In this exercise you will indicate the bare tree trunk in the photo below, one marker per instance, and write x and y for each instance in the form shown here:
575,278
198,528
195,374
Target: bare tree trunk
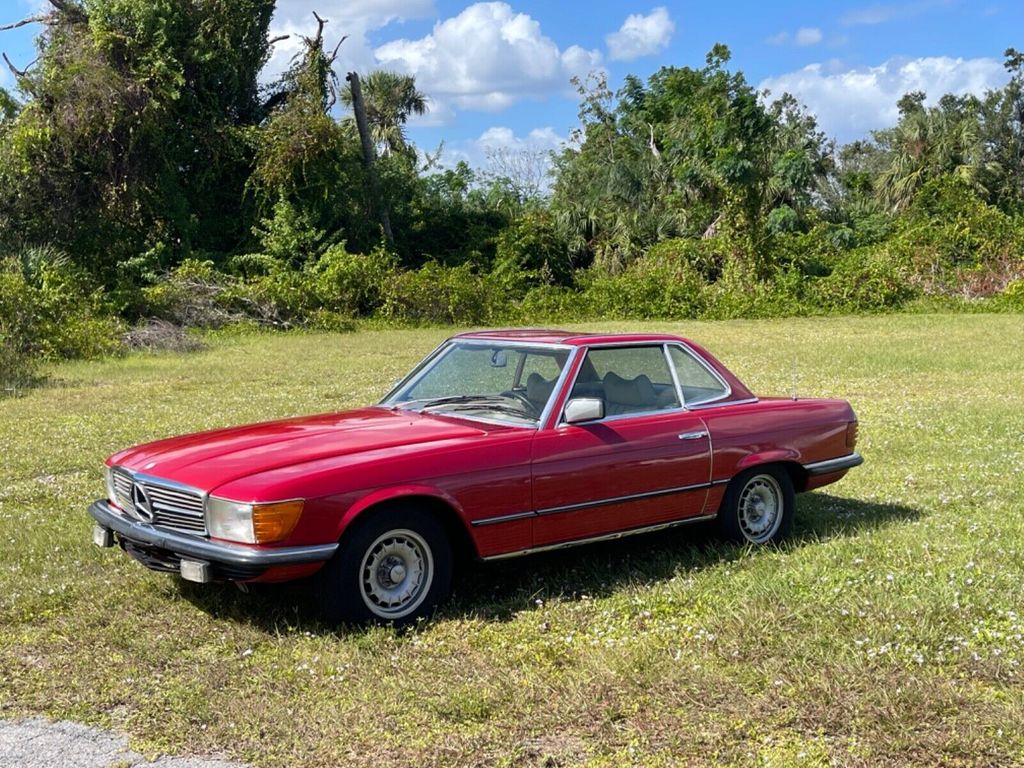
364,137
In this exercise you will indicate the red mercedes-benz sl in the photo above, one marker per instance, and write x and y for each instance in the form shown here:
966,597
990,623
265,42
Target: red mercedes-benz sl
499,444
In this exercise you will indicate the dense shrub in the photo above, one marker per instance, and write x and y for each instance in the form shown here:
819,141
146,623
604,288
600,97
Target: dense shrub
869,279
49,309
438,294
353,284
531,252
1013,297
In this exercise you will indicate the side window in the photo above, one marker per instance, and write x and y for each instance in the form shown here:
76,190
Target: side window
629,379
539,375
699,384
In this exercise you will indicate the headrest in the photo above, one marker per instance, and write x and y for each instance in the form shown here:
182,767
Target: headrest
638,391
538,389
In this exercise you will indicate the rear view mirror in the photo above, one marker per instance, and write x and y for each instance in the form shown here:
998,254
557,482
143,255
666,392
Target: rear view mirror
581,409
499,358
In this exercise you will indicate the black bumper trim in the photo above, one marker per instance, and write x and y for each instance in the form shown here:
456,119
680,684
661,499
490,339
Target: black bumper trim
834,465
184,545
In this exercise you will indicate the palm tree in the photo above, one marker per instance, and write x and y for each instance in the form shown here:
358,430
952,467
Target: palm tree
927,143
391,99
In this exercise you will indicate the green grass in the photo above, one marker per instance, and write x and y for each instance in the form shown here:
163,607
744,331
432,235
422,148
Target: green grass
888,631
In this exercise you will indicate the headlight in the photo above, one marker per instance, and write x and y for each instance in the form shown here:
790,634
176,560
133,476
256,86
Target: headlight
251,523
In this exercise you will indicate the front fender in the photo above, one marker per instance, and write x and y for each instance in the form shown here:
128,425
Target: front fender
396,493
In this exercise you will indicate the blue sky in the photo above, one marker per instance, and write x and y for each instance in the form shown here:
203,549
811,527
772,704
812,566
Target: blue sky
497,73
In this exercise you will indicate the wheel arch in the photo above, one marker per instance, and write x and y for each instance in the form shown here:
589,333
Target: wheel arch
439,505
787,460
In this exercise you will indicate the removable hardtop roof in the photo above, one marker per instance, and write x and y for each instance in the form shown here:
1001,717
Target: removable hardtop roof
571,338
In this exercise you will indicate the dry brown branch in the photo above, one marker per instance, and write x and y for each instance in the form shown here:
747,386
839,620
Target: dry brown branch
19,74
278,39
43,17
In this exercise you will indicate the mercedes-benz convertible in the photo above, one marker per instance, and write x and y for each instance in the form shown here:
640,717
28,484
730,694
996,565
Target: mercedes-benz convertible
498,444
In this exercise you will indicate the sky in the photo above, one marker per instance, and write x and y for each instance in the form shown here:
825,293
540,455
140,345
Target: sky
497,73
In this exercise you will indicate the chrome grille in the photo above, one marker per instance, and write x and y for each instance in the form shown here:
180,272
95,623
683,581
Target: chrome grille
173,507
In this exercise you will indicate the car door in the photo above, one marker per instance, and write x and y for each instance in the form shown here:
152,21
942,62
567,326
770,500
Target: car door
647,462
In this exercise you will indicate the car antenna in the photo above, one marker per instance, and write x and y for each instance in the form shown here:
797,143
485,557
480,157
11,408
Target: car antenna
794,375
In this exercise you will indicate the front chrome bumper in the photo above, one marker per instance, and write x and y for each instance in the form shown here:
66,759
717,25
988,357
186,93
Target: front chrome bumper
193,547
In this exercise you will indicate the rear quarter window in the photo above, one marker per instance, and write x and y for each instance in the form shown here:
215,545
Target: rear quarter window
699,384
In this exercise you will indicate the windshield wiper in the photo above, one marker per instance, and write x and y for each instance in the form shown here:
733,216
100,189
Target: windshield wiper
497,403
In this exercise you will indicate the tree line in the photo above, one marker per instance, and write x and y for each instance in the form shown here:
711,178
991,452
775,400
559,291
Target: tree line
146,171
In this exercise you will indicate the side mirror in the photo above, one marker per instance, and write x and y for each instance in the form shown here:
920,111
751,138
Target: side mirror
581,409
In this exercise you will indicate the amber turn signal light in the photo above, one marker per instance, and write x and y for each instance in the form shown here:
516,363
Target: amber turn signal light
274,522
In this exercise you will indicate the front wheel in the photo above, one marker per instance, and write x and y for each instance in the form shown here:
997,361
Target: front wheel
393,567
758,506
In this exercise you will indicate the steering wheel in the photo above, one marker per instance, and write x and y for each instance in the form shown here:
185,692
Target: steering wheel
522,398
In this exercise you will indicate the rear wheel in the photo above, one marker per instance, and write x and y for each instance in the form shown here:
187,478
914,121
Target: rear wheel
393,567
758,506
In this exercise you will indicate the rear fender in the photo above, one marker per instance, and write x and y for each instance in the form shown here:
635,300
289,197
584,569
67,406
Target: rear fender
787,457
773,456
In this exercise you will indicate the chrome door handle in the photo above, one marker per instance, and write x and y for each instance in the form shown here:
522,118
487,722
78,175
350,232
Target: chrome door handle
699,435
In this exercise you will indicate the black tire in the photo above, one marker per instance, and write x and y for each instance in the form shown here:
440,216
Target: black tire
758,506
372,577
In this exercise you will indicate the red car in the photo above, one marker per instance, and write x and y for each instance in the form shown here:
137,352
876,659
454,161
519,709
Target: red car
499,444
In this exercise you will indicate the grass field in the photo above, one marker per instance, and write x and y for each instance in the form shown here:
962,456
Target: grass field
887,633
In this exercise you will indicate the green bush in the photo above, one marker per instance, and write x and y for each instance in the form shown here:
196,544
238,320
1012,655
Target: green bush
353,284
20,351
1012,298
650,288
49,310
438,294
869,279
532,252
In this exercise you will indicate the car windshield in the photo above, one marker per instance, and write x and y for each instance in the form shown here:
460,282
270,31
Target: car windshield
491,381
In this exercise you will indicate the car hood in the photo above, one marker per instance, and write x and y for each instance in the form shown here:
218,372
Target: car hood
206,460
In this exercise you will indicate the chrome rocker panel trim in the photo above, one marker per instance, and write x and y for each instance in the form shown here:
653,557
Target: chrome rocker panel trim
602,537
204,549
834,465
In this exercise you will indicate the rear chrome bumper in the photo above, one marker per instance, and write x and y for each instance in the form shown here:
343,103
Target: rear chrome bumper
194,547
834,465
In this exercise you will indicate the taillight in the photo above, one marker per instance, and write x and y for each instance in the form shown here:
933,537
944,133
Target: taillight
851,435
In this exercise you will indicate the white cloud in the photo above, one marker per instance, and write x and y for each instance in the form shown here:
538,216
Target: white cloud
808,36
487,58
354,18
804,36
503,140
881,13
641,35
851,103
499,152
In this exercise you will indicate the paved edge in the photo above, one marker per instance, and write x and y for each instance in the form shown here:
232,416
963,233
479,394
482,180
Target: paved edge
40,743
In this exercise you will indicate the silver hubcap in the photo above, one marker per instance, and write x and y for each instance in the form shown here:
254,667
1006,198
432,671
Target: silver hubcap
396,574
760,508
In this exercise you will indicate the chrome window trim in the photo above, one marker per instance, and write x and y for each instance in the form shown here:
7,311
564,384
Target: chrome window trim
675,375
562,423
687,349
559,388
721,404
416,373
